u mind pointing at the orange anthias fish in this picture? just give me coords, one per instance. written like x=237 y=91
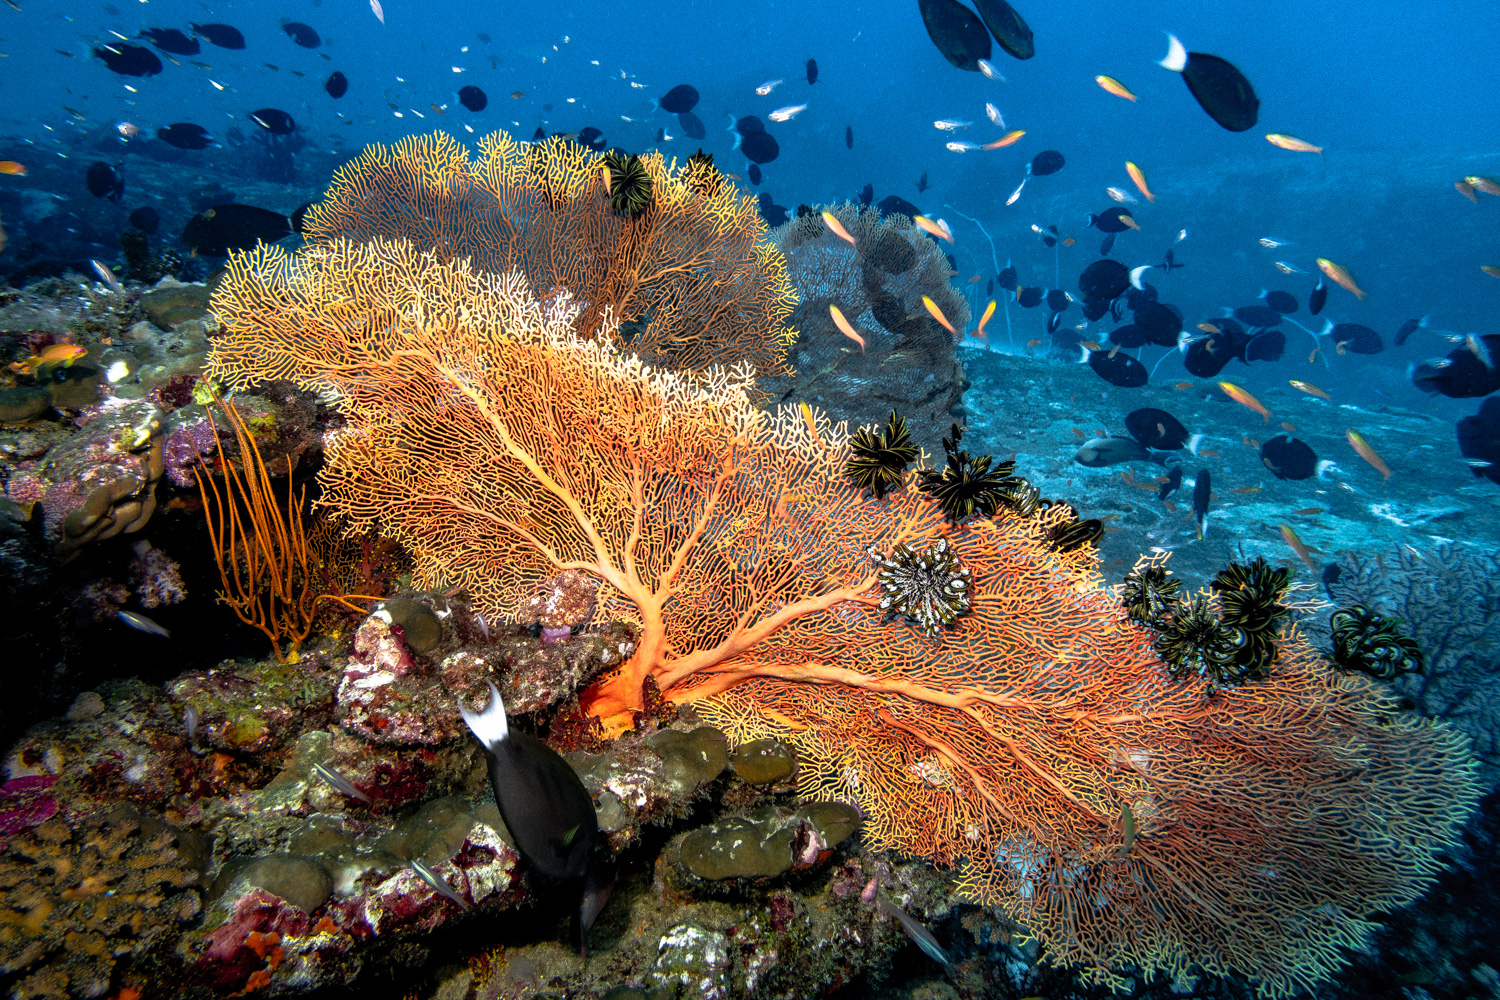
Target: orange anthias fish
x=1113 y=86
x=1467 y=190
x=1208 y=328
x=1341 y=277
x=937 y=314
x=1140 y=180
x=1298 y=546
x=1310 y=389
x=845 y=327
x=13 y=168
x=1360 y=445
x=1242 y=397
x=989 y=311
x=937 y=227
x=1007 y=139
x=1292 y=143
x=57 y=354
x=838 y=228
x=1183 y=386
x=1483 y=184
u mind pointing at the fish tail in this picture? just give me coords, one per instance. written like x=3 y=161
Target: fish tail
x=489 y=726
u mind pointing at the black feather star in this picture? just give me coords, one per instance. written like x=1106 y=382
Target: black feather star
x=1251 y=597
x=966 y=486
x=1367 y=641
x=630 y=186
x=878 y=460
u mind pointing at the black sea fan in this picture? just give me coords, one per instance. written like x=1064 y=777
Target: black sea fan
x=1193 y=641
x=1150 y=595
x=630 y=186
x=1371 y=643
x=1251 y=597
x=878 y=460
x=966 y=486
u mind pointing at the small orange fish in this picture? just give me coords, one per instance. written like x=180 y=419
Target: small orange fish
x=1360 y=445
x=845 y=327
x=973 y=279
x=1310 y=389
x=1292 y=143
x=1340 y=277
x=1008 y=139
x=937 y=314
x=57 y=354
x=937 y=227
x=13 y=168
x=1242 y=397
x=1312 y=358
x=1249 y=442
x=1208 y=328
x=989 y=311
x=1308 y=512
x=1467 y=190
x=1032 y=343
x=1113 y=86
x=1483 y=184
x=1113 y=351
x=1126 y=220
x=1069 y=241
x=1297 y=546
x=837 y=228
x=1245 y=489
x=437 y=109
x=1339 y=348
x=1491 y=270
x=518 y=95
x=1079 y=433
x=1287 y=426
x=1091 y=345
x=1208 y=453
x=1170 y=506
x=1140 y=180
x=1183 y=386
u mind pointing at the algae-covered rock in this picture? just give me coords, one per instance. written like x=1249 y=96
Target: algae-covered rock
x=300 y=880
x=171 y=302
x=766 y=843
x=695 y=960
x=23 y=403
x=692 y=759
x=436 y=831
x=420 y=624
x=761 y=762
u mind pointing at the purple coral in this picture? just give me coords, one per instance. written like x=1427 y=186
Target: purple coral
x=24 y=803
x=156 y=576
x=185 y=445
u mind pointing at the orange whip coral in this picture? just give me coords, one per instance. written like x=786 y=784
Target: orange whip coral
x=694 y=269
x=500 y=447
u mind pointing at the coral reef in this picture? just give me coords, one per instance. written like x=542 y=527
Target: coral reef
x=676 y=250
x=909 y=362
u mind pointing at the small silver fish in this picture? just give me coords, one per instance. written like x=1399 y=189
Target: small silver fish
x=190 y=723
x=108 y=277
x=787 y=113
x=994 y=115
x=962 y=147
x=951 y=124
x=1286 y=268
x=1120 y=195
x=484 y=626
x=1181 y=235
x=143 y=624
x=988 y=69
x=1271 y=244
x=439 y=884
x=341 y=784
x=1479 y=350
x=916 y=931
x=767 y=87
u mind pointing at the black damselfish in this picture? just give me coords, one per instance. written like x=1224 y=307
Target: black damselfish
x=129 y=60
x=302 y=34
x=337 y=85
x=679 y=100
x=473 y=98
x=957 y=32
x=1009 y=29
x=223 y=35
x=185 y=135
x=105 y=181
x=171 y=40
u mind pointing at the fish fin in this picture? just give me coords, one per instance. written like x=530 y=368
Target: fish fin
x=1177 y=55
x=1328 y=325
x=489 y=726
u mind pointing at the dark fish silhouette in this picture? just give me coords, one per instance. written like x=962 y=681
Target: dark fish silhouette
x=1161 y=323
x=760 y=147
x=145 y=219
x=1267 y=346
x=1108 y=246
x=223 y=228
x=1282 y=302
x=922 y=184
x=1121 y=370
x=680 y=99
x=222 y=35
x=866 y=194
x=1169 y=263
x=185 y=135
x=1156 y=428
x=1104 y=279
x=1318 y=297
x=1048 y=161
x=105 y=181
x=812 y=71
x=592 y=138
x=473 y=98
x=1356 y=338
x=129 y=60
x=1058 y=300
x=1408 y=328
x=754 y=173
x=1029 y=298
x=1479 y=440
x=1129 y=336
x=1258 y=316
x=299 y=217
x=1202 y=492
x=1207 y=356
x=894 y=204
x=337 y=85
x=1461 y=375
x=957 y=32
x=1008 y=278
x=742 y=127
x=774 y=214
x=302 y=34
x=848 y=136
x=1007 y=26
x=1173 y=483
x=171 y=40
x=1218 y=87
x=1110 y=220
x=274 y=121
x=1289 y=458
x=692 y=125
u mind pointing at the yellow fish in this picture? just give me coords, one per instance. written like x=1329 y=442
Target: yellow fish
x=1310 y=389
x=989 y=311
x=937 y=314
x=13 y=168
x=838 y=228
x=1113 y=86
x=57 y=354
x=937 y=227
x=845 y=327
x=1341 y=277
x=1242 y=397
x=1297 y=546
x=1292 y=143
x=1140 y=180
x=1007 y=139
x=1360 y=445
x=1208 y=328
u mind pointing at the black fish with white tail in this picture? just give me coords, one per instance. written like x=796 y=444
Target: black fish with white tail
x=1219 y=88
x=957 y=32
x=1202 y=493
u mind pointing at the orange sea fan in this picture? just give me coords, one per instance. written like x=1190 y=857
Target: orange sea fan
x=694 y=269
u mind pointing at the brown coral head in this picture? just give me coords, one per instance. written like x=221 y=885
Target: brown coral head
x=561 y=603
